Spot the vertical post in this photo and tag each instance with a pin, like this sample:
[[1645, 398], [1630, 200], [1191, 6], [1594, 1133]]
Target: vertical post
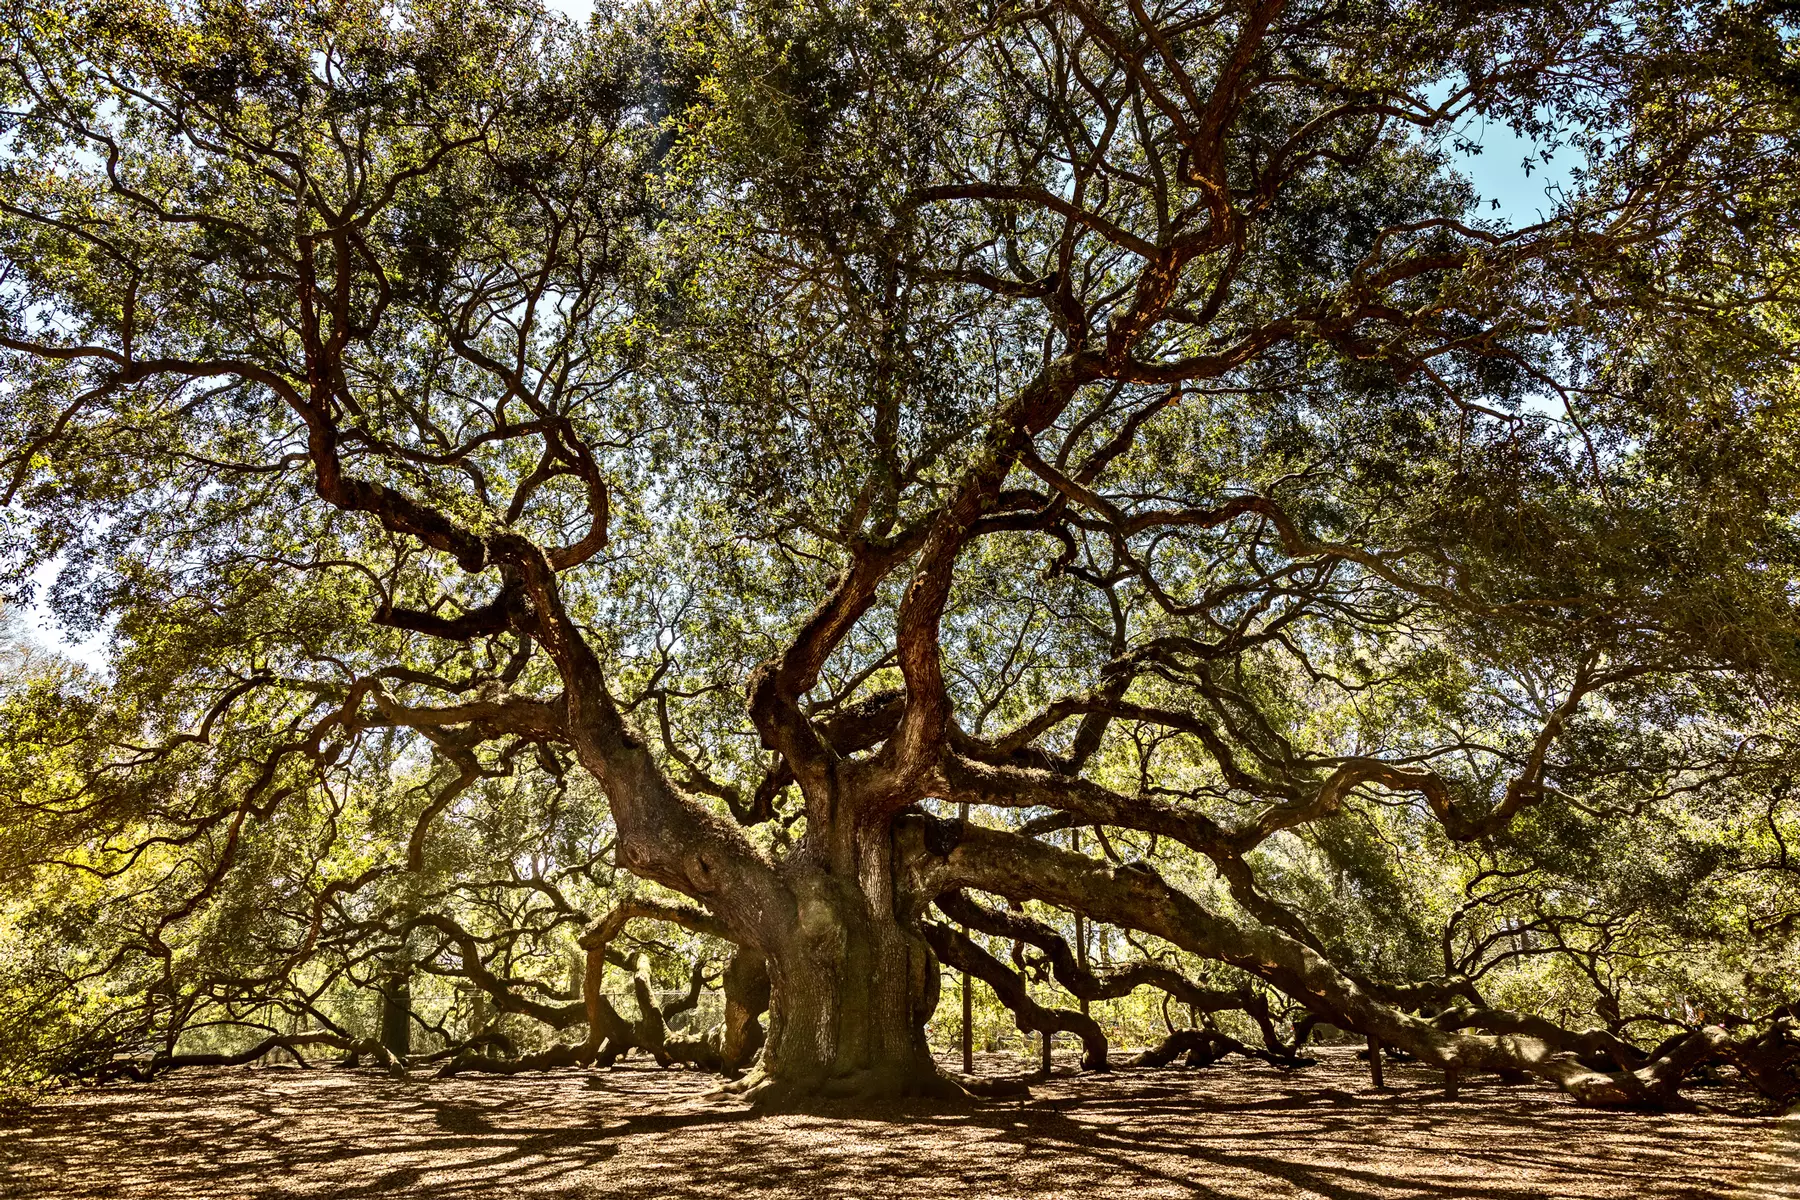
[[1375, 1063], [968, 1024], [1047, 1036], [1450, 1082], [968, 996], [1081, 955]]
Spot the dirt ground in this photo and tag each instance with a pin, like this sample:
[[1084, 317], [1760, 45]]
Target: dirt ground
[[1234, 1130]]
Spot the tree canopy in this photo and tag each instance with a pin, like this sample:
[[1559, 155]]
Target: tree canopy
[[842, 489]]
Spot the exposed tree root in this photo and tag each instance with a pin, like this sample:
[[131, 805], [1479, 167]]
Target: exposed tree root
[[771, 1093]]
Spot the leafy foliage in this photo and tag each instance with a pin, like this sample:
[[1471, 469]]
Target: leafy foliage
[[1079, 417]]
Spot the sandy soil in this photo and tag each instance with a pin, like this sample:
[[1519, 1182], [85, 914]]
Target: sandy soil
[[1232, 1130]]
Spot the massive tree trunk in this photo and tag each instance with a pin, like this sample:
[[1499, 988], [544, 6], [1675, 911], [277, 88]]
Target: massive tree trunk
[[843, 973], [851, 988]]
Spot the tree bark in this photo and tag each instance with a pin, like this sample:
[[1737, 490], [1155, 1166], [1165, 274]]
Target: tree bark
[[850, 991], [746, 999], [1136, 897], [1032, 1017], [396, 1010]]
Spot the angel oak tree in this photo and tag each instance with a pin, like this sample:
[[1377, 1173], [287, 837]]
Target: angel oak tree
[[1111, 416]]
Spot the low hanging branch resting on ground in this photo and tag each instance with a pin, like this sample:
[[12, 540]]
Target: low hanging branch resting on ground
[[724, 1048], [1767, 1058], [487, 1039], [1770, 1059], [610, 1035], [354, 1048], [1023, 869], [958, 950], [1203, 1047], [1086, 983]]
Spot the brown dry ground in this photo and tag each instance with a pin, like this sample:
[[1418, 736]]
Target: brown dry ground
[[1234, 1130]]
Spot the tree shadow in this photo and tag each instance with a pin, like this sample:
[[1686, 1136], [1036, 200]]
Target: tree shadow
[[1224, 1132]]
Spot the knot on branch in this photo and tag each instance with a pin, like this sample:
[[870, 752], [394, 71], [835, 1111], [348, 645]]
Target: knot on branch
[[941, 836]]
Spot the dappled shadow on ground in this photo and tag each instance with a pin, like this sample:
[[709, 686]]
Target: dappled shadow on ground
[[1230, 1131]]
